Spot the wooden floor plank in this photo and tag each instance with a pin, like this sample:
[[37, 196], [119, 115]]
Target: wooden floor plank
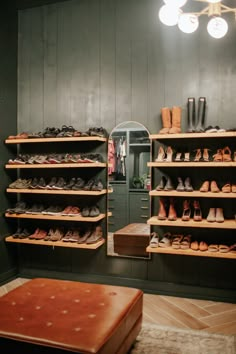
[[219, 319], [220, 307], [190, 308]]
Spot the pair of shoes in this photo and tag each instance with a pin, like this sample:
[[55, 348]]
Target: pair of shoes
[[164, 155], [197, 213], [171, 120], [95, 236], [216, 129], [165, 184], [215, 214], [223, 155], [162, 214], [90, 211], [206, 186], [181, 242], [185, 158], [193, 125], [199, 156], [184, 186], [228, 188]]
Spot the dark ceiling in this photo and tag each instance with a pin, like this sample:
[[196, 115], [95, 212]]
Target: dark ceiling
[[24, 4]]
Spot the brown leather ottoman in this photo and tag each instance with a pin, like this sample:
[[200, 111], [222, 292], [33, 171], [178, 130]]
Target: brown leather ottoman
[[43, 315], [132, 240]]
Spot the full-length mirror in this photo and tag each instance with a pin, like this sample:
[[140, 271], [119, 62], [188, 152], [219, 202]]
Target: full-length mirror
[[129, 150]]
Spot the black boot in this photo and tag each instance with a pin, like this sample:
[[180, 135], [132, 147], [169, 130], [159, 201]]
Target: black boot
[[201, 114], [191, 114]]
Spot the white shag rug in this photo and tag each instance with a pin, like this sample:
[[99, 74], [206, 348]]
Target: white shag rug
[[155, 339]]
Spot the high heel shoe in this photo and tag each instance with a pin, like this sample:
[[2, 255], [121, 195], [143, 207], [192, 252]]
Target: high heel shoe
[[197, 216], [169, 154], [205, 155], [198, 155], [186, 156], [178, 156], [218, 157], [161, 155], [227, 154]]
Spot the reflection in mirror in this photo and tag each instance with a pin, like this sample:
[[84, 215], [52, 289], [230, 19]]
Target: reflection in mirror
[[129, 151]]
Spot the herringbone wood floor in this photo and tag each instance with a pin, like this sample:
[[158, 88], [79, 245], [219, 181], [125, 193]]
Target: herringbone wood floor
[[217, 317]]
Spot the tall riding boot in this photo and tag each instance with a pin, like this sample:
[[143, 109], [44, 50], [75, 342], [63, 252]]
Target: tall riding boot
[[166, 120], [162, 211], [176, 120], [191, 114], [201, 114]]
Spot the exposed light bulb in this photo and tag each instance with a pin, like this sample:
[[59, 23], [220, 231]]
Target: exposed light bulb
[[169, 15], [217, 27], [214, 1], [176, 3], [188, 23]]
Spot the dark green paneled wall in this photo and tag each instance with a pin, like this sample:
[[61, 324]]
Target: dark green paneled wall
[[101, 62], [8, 116]]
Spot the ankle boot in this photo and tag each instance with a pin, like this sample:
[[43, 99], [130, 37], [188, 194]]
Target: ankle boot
[[201, 114], [172, 216], [162, 211], [176, 120], [191, 114], [166, 120]]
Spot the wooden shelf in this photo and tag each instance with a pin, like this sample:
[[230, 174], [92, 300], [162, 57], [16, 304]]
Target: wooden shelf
[[56, 217], [193, 194], [189, 252], [54, 140], [58, 165], [192, 135], [227, 224], [192, 164], [49, 191], [56, 243]]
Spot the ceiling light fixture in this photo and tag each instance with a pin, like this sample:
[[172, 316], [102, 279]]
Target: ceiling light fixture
[[171, 14]]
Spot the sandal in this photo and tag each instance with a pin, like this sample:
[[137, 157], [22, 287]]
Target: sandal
[[224, 248], [186, 211], [154, 240], [205, 155], [178, 156], [198, 155], [186, 156], [233, 188], [214, 188], [226, 188], [233, 248], [227, 154], [177, 241], [213, 248], [185, 243], [165, 241], [218, 157], [161, 155]]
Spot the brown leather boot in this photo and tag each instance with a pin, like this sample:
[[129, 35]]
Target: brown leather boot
[[162, 211], [166, 120], [172, 216], [176, 120]]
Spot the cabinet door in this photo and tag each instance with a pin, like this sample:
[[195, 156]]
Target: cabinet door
[[117, 205], [138, 207]]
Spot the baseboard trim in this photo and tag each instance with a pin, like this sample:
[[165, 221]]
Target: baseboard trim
[[151, 287]]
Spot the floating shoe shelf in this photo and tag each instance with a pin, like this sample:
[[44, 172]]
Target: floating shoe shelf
[[57, 165], [192, 135], [194, 194], [57, 217], [190, 252], [58, 191], [192, 164], [56, 243], [227, 224], [55, 140]]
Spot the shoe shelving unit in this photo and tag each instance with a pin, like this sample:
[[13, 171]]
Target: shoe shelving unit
[[85, 144], [176, 167]]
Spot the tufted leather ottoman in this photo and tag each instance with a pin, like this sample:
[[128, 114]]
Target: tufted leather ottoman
[[57, 316]]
